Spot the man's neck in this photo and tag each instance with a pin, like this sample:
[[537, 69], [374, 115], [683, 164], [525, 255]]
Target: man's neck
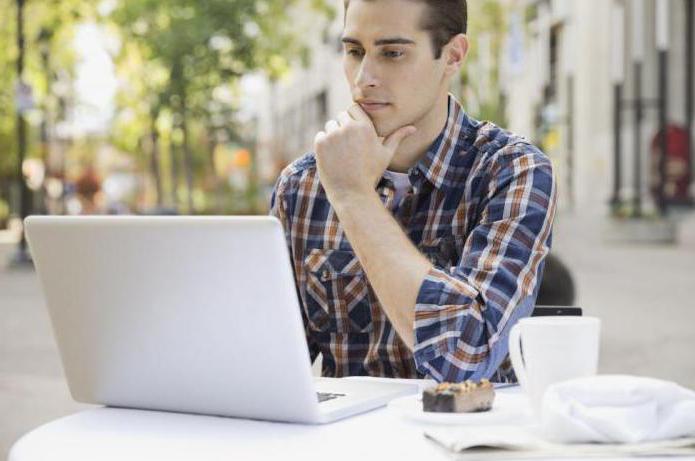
[[415, 146]]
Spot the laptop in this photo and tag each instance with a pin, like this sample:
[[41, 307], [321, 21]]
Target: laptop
[[186, 314]]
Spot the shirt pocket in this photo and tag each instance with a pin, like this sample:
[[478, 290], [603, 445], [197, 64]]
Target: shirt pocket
[[336, 292]]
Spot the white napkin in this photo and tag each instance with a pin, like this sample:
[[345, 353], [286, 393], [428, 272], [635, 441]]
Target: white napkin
[[617, 409]]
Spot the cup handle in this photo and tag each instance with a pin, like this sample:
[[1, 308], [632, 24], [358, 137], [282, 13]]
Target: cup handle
[[515, 355]]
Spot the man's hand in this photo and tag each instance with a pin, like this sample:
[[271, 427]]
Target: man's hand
[[351, 157]]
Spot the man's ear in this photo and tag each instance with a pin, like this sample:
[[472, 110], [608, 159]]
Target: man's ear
[[455, 53]]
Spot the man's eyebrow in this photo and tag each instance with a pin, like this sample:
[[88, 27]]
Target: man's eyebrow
[[381, 41]]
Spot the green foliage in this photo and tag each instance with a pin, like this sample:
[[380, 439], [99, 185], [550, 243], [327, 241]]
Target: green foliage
[[181, 61], [4, 210], [488, 19], [49, 29], [178, 65]]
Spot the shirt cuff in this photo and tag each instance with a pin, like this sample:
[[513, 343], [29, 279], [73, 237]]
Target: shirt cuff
[[444, 310]]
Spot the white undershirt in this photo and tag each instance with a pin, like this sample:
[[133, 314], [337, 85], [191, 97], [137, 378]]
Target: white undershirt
[[401, 183]]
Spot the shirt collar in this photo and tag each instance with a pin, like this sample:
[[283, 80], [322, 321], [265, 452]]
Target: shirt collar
[[440, 164]]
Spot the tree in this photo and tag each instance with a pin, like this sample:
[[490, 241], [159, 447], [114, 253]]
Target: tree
[[480, 76], [178, 54], [48, 29]]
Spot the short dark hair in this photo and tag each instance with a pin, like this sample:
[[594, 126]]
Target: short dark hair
[[443, 20]]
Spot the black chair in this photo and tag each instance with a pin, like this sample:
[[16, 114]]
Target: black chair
[[556, 294], [543, 311]]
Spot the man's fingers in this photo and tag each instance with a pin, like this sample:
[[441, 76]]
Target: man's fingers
[[359, 114], [344, 118], [319, 137], [396, 137], [331, 126]]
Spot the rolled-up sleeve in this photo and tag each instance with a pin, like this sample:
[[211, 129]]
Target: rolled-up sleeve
[[463, 313]]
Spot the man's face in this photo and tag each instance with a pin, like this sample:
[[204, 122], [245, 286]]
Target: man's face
[[389, 62]]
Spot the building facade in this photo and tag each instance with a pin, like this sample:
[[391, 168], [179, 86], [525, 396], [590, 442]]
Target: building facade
[[562, 63]]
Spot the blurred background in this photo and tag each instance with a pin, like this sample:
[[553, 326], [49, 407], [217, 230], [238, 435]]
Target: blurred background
[[194, 107]]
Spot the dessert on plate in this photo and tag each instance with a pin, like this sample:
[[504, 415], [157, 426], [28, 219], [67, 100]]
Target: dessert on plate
[[463, 397]]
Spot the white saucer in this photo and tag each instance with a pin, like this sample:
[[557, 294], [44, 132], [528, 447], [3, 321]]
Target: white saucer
[[506, 409]]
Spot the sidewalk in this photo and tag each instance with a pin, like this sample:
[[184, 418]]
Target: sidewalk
[[32, 386], [643, 296]]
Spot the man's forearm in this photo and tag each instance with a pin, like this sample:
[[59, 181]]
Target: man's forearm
[[394, 266]]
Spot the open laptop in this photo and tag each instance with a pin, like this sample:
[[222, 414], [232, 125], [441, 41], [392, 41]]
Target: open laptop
[[187, 314]]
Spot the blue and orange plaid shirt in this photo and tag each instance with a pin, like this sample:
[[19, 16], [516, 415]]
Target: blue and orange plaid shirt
[[480, 207]]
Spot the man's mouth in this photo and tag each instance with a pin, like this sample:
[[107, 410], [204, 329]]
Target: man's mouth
[[373, 106]]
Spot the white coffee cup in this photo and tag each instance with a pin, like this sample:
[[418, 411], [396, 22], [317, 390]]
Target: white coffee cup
[[554, 349]]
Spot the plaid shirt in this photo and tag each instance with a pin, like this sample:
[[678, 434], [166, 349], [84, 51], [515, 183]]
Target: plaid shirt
[[480, 208]]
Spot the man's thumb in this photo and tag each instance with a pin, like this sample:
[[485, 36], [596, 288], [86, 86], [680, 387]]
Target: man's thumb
[[399, 135]]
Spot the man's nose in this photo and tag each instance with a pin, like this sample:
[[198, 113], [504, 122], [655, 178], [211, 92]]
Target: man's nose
[[367, 75]]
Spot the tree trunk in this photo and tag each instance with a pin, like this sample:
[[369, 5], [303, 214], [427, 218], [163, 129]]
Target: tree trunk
[[187, 157], [174, 175], [212, 145], [154, 157], [214, 180]]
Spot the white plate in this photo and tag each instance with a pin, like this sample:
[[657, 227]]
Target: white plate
[[506, 409]]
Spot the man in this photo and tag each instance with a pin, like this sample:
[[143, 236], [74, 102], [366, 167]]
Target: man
[[417, 234]]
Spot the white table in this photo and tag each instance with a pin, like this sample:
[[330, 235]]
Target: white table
[[133, 435]]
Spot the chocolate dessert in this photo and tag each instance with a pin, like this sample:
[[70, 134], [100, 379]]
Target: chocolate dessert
[[463, 397]]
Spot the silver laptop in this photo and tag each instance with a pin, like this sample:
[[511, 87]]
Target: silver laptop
[[188, 314]]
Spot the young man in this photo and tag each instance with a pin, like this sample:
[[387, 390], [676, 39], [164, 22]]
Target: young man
[[417, 234]]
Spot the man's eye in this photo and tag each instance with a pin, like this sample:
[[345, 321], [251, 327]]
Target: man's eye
[[354, 52], [393, 54]]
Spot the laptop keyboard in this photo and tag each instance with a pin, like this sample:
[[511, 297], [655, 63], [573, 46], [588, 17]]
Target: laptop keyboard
[[324, 396]]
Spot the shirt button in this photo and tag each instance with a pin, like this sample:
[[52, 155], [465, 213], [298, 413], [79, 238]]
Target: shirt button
[[325, 275]]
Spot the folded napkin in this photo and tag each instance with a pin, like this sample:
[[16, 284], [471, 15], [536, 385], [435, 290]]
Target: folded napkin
[[617, 409]]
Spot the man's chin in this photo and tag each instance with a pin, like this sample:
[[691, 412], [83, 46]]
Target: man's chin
[[384, 131]]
